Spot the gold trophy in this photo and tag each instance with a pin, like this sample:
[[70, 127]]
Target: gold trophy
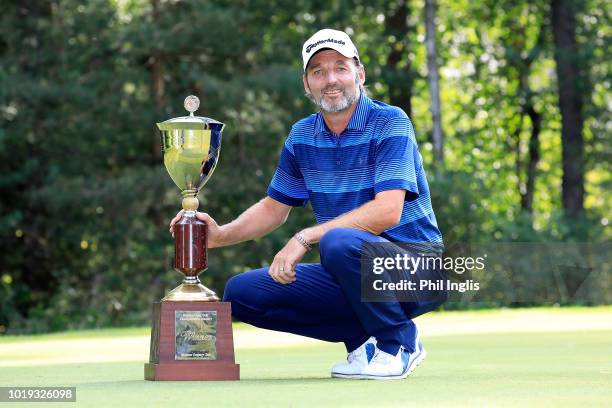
[[191, 337], [191, 146]]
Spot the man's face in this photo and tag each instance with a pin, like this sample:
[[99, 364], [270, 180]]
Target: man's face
[[332, 81]]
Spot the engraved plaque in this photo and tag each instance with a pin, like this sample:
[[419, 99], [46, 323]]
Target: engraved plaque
[[196, 335]]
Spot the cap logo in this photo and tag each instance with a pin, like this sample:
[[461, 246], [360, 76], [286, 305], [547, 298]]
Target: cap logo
[[309, 47]]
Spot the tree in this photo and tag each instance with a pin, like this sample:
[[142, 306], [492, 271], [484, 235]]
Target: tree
[[521, 57], [570, 83], [397, 72], [434, 83]]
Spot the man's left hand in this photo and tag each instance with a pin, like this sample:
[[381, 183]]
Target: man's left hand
[[283, 266]]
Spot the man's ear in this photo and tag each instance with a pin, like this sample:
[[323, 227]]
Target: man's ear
[[361, 74]]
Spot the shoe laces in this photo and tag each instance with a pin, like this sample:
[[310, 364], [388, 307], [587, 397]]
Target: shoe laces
[[385, 358], [354, 354], [381, 357], [359, 351]]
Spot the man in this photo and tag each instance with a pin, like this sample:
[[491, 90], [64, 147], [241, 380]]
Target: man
[[358, 163]]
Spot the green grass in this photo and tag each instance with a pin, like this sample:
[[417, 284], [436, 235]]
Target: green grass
[[565, 368]]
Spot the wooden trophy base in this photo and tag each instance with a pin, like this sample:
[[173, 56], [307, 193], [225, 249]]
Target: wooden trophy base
[[192, 341]]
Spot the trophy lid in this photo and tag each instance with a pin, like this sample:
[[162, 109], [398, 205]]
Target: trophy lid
[[191, 104]]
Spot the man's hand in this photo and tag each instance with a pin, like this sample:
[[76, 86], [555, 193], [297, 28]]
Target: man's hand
[[283, 266], [214, 233]]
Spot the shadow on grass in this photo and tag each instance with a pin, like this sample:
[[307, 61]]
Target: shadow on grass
[[245, 381]]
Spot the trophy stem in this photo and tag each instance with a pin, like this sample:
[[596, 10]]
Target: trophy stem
[[190, 254], [190, 200]]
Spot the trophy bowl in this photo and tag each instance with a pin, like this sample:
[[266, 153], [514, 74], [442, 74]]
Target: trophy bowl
[[190, 146]]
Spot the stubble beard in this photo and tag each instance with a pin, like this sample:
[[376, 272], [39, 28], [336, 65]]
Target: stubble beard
[[345, 101]]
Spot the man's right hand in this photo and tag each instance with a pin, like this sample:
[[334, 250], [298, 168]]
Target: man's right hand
[[214, 233]]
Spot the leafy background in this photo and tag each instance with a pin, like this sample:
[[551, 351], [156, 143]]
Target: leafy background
[[85, 200]]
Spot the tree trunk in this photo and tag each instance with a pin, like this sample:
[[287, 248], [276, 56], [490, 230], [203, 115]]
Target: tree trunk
[[570, 105], [157, 87], [525, 98], [534, 158], [434, 83], [399, 80]]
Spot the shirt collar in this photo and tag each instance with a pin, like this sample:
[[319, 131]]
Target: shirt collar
[[357, 121]]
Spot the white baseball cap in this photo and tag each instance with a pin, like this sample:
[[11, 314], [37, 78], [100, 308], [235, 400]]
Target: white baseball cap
[[328, 38]]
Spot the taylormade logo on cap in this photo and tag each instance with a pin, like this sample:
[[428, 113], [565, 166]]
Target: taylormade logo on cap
[[310, 46], [328, 38]]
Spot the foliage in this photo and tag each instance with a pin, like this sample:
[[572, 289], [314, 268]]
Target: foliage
[[85, 201]]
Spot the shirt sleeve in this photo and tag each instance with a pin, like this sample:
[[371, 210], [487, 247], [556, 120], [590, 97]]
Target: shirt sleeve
[[397, 158], [287, 185]]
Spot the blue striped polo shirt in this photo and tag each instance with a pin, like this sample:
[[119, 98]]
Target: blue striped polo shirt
[[338, 173]]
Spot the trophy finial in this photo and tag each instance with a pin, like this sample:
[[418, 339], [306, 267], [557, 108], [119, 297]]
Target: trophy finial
[[191, 104]]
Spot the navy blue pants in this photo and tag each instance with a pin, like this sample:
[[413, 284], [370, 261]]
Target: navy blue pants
[[325, 300]]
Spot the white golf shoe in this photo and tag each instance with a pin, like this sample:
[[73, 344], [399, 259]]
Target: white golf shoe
[[356, 360], [369, 362]]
